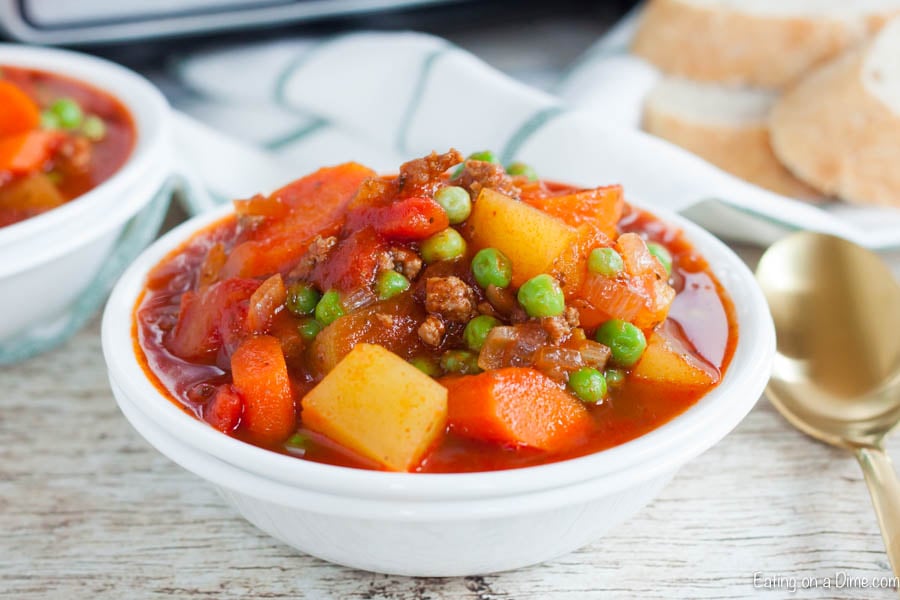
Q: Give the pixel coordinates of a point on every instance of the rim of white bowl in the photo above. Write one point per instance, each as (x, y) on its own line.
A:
(151, 114)
(226, 475)
(673, 443)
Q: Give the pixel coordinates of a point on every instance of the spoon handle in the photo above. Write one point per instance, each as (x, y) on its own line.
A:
(884, 488)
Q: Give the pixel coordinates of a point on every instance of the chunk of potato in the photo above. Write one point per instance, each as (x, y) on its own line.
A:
(532, 239)
(669, 360)
(380, 406)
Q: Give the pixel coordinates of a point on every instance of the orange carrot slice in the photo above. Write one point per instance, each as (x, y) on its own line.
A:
(26, 152)
(260, 375)
(19, 113)
(599, 207)
(515, 405)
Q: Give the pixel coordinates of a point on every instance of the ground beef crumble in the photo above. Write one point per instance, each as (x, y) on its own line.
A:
(449, 297)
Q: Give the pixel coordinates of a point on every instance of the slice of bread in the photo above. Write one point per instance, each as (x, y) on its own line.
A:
(762, 43)
(839, 128)
(726, 126)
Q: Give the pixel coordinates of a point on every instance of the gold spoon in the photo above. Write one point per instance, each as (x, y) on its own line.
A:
(836, 376)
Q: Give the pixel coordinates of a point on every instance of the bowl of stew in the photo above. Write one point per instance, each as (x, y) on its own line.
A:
(457, 369)
(83, 149)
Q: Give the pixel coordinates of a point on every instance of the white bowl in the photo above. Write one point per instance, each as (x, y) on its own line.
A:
(440, 524)
(49, 262)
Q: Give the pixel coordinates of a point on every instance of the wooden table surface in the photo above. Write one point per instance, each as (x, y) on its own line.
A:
(89, 510)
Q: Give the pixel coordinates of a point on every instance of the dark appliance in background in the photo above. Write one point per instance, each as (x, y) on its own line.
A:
(98, 21)
(104, 22)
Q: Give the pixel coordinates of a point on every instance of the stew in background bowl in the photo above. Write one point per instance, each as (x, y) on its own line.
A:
(59, 138)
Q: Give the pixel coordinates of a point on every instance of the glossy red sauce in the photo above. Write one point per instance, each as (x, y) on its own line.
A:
(701, 311)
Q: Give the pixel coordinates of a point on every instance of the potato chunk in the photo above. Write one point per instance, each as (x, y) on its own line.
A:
(668, 360)
(532, 239)
(380, 406)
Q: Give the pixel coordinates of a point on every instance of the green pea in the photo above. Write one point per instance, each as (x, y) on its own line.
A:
(605, 261)
(94, 128)
(444, 245)
(302, 298)
(588, 384)
(626, 341)
(68, 112)
(329, 308)
(662, 253)
(491, 267)
(614, 377)
(456, 203)
(484, 156)
(390, 283)
(541, 296)
(426, 365)
(477, 330)
(49, 120)
(460, 361)
(309, 329)
(523, 170)
(298, 440)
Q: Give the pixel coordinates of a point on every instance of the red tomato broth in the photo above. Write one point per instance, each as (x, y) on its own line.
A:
(107, 155)
(629, 411)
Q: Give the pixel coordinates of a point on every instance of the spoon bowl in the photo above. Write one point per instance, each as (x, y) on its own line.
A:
(836, 374)
(836, 308)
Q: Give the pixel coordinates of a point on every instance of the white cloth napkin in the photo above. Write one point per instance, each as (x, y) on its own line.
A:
(382, 98)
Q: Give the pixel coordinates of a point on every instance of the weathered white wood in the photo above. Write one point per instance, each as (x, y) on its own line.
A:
(88, 509)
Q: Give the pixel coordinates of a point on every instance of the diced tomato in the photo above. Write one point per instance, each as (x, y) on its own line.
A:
(315, 207)
(211, 319)
(406, 220)
(272, 207)
(20, 113)
(351, 265)
(316, 203)
(224, 411)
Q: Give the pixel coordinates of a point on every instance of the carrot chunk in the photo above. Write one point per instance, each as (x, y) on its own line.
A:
(20, 113)
(600, 207)
(518, 406)
(260, 375)
(26, 152)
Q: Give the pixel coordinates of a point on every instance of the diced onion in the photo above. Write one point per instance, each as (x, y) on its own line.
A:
(358, 298)
(268, 298)
(512, 346)
(557, 362)
(496, 346)
(593, 354)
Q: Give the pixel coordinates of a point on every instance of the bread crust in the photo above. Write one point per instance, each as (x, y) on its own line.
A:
(740, 149)
(831, 131)
(720, 44)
